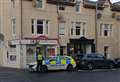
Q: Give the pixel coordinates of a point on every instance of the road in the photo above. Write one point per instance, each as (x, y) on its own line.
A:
(16, 75)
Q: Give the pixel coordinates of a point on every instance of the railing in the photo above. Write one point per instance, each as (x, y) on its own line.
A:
(64, 2)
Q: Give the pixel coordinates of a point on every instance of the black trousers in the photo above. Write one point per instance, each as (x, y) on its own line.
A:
(39, 63)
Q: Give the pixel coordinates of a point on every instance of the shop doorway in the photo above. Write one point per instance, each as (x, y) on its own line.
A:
(81, 46)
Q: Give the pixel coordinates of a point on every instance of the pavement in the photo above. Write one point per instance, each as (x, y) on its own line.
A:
(99, 75)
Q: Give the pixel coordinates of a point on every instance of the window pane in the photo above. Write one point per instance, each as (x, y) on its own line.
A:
(62, 28)
(39, 22)
(39, 29)
(13, 26)
(84, 29)
(12, 58)
(32, 26)
(77, 7)
(101, 29)
(71, 31)
(46, 27)
(77, 30)
(111, 30)
(61, 7)
(39, 3)
(105, 33)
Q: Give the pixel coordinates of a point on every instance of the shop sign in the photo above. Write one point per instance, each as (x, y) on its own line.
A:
(28, 41)
(48, 42)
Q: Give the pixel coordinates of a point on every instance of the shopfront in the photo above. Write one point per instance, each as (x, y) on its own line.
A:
(47, 46)
(80, 46)
(26, 50)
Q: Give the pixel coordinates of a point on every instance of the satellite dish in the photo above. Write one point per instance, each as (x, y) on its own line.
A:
(1, 37)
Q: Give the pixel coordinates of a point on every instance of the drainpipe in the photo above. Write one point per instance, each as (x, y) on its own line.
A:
(58, 27)
(21, 21)
(21, 37)
(96, 25)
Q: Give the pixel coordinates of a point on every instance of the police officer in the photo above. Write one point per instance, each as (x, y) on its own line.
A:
(39, 59)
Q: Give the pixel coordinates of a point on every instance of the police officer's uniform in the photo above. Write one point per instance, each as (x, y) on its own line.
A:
(39, 61)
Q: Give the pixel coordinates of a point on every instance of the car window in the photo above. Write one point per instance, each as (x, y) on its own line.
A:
(99, 56)
(52, 59)
(90, 56)
(65, 58)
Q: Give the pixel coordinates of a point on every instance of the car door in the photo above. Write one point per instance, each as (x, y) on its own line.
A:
(52, 63)
(62, 61)
(59, 62)
(100, 60)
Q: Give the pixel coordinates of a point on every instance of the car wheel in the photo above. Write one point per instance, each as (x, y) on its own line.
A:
(111, 66)
(90, 66)
(30, 70)
(70, 68)
(43, 69)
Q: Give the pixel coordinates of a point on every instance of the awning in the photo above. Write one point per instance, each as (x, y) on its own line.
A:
(81, 40)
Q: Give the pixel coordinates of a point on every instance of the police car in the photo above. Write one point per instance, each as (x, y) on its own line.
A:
(54, 63)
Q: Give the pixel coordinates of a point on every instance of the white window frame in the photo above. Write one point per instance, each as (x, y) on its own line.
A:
(34, 24)
(13, 21)
(109, 29)
(83, 29)
(62, 28)
(82, 26)
(77, 29)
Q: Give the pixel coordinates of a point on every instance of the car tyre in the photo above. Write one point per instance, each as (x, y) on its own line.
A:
(43, 69)
(111, 65)
(70, 68)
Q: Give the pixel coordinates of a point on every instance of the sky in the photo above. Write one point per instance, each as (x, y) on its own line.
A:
(113, 1)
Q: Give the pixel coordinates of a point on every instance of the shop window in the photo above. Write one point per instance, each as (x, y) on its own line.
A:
(12, 48)
(30, 51)
(12, 58)
(51, 51)
(61, 51)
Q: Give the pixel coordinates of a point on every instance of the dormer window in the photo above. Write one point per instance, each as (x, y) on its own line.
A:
(61, 7)
(77, 7)
(39, 3)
